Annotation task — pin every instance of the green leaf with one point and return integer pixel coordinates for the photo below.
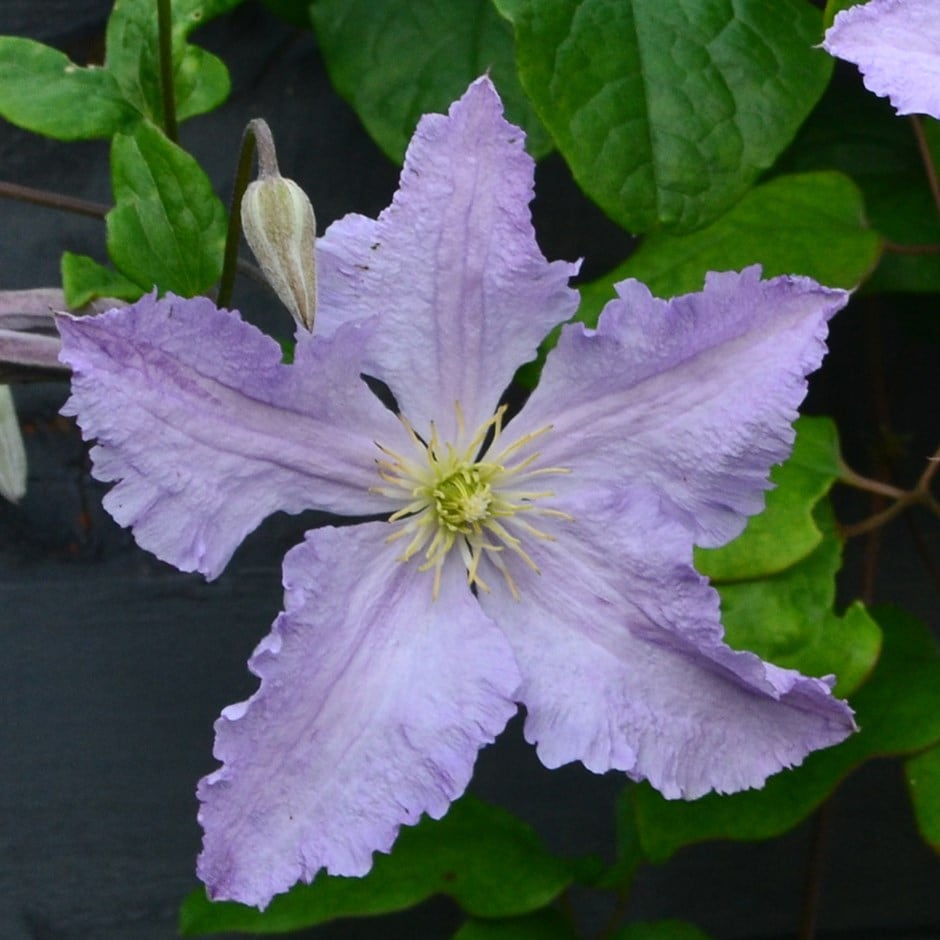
(661, 930)
(200, 80)
(489, 862)
(898, 712)
(43, 91)
(630, 854)
(167, 227)
(665, 110)
(788, 619)
(857, 133)
(84, 280)
(543, 925)
(295, 12)
(811, 224)
(923, 781)
(785, 531)
(834, 8)
(394, 60)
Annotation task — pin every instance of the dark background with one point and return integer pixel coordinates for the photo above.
(114, 666)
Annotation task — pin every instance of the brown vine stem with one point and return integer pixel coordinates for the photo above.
(813, 885)
(930, 167)
(920, 495)
(42, 197)
(898, 249)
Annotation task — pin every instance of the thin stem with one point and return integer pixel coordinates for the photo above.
(267, 155)
(930, 167)
(621, 903)
(850, 478)
(923, 550)
(42, 197)
(230, 258)
(257, 133)
(898, 249)
(814, 872)
(933, 465)
(167, 87)
(875, 521)
(920, 495)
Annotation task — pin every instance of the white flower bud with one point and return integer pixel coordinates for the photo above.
(280, 227)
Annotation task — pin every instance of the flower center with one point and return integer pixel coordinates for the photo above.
(462, 499)
(466, 499)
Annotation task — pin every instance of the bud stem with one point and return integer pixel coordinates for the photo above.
(167, 88)
(257, 135)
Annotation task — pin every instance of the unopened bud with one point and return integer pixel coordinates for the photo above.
(280, 227)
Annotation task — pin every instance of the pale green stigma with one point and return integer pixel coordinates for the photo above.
(466, 499)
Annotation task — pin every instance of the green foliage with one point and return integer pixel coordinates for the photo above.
(489, 862)
(543, 925)
(167, 227)
(777, 579)
(200, 80)
(83, 280)
(810, 223)
(857, 133)
(43, 91)
(787, 618)
(923, 781)
(835, 7)
(667, 111)
(898, 712)
(785, 532)
(394, 60)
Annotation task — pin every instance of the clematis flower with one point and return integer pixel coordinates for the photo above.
(544, 560)
(896, 45)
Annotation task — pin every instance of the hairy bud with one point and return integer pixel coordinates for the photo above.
(278, 222)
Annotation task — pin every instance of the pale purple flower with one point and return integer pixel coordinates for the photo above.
(545, 560)
(896, 45)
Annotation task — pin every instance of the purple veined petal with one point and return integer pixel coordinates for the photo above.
(207, 432)
(451, 269)
(693, 397)
(623, 664)
(374, 701)
(896, 46)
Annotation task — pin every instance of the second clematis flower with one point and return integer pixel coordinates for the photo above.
(896, 46)
(544, 560)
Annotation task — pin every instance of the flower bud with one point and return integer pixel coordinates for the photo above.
(278, 222)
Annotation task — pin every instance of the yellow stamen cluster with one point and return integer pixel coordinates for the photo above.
(465, 498)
